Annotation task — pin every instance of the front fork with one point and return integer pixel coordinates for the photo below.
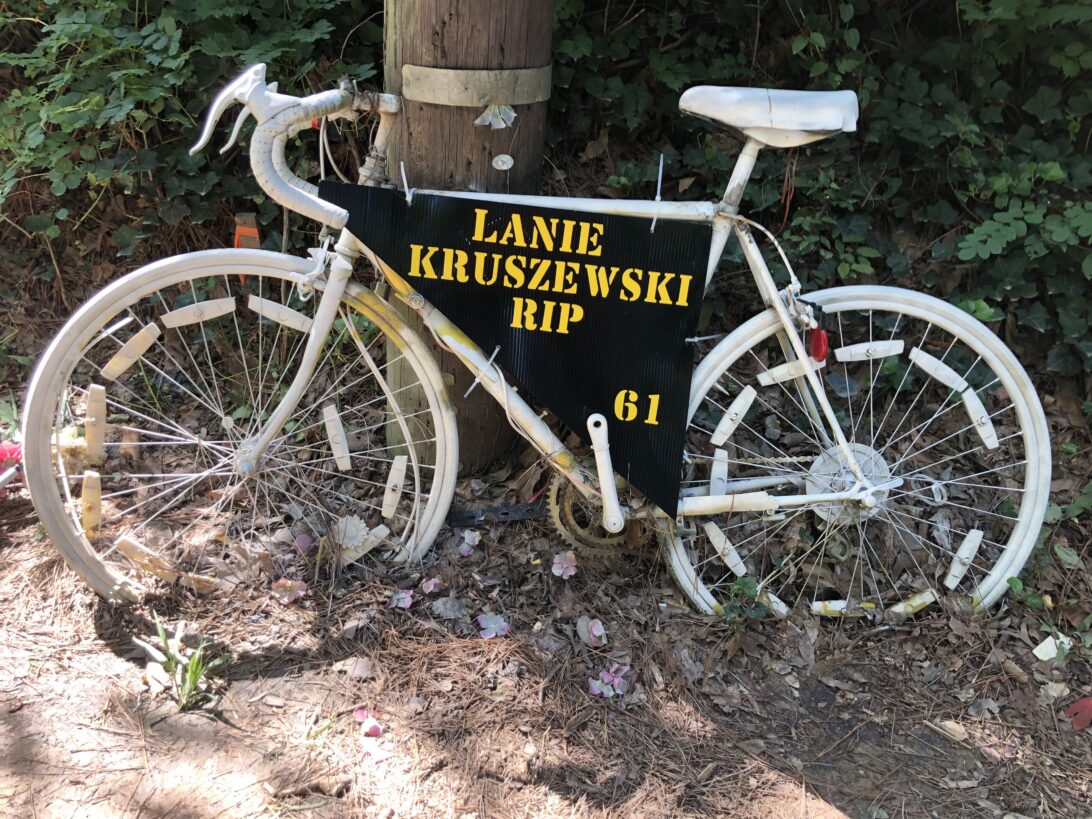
(340, 269)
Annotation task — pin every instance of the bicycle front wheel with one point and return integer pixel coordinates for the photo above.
(138, 409)
(933, 405)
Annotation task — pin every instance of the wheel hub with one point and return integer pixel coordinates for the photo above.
(831, 473)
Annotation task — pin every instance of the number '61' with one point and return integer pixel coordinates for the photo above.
(626, 409)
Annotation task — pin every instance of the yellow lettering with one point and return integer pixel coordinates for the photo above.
(479, 268)
(684, 290)
(547, 316)
(563, 277)
(542, 267)
(657, 288)
(454, 268)
(570, 314)
(653, 409)
(598, 281)
(480, 215)
(543, 233)
(523, 313)
(567, 236)
(514, 275)
(513, 234)
(625, 407)
(420, 262)
(590, 233)
(631, 282)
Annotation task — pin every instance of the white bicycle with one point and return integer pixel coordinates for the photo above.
(210, 416)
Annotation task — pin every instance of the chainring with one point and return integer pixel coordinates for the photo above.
(578, 521)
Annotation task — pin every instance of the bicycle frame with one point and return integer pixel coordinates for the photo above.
(723, 216)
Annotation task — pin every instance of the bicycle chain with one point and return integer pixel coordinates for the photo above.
(788, 459)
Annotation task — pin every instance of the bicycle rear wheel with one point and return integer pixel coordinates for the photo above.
(138, 408)
(926, 395)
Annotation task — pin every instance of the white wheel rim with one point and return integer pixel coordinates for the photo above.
(958, 324)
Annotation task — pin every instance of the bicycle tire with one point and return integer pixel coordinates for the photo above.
(169, 369)
(979, 525)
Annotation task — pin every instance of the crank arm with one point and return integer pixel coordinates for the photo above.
(765, 502)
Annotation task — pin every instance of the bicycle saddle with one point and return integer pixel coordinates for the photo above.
(776, 118)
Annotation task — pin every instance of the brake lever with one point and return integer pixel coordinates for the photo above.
(239, 124)
(249, 88)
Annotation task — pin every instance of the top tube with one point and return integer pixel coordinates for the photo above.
(645, 208)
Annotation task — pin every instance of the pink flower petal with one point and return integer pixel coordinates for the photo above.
(372, 727)
(433, 584)
(401, 599)
(286, 591)
(492, 625)
(564, 565)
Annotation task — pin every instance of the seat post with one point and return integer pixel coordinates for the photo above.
(745, 163)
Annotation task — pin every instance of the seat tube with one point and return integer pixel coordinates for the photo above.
(741, 173)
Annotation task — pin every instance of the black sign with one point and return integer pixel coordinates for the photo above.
(590, 311)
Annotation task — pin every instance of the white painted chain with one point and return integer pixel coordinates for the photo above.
(789, 459)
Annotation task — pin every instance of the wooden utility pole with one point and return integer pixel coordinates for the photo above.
(442, 148)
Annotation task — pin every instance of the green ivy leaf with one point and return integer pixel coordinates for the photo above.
(38, 222)
(1046, 104)
(126, 238)
(1036, 317)
(1081, 504)
(1070, 559)
(578, 44)
(981, 310)
(1063, 360)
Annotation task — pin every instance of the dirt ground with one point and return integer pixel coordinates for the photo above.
(940, 715)
(936, 716)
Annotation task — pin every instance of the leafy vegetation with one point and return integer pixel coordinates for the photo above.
(967, 172)
(108, 97)
(184, 671)
(1057, 565)
(965, 177)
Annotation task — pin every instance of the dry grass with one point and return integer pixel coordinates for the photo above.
(773, 719)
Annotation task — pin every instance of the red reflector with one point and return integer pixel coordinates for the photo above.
(818, 344)
(315, 124)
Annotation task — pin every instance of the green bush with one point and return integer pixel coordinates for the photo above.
(109, 97)
(967, 175)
